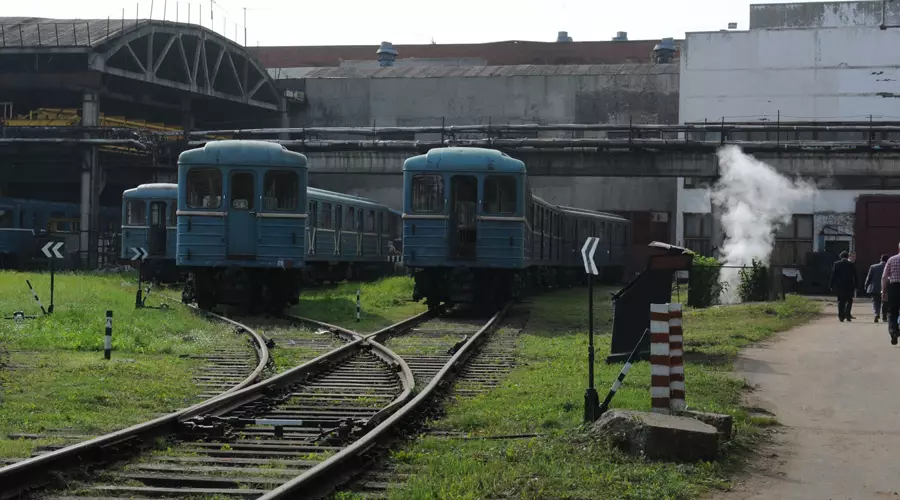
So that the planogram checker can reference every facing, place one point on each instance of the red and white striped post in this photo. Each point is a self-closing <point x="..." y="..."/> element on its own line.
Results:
<point x="659" y="358"/>
<point x="676" y="359"/>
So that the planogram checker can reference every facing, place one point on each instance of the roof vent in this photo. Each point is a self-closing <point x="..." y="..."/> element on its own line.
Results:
<point x="664" y="51"/>
<point x="621" y="36"/>
<point x="387" y="54"/>
<point x="732" y="26"/>
<point x="563" y="37"/>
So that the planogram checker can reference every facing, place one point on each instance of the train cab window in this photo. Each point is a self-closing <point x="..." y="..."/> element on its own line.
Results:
<point x="500" y="194"/>
<point x="326" y="216"/>
<point x="281" y="188"/>
<point x="7" y="217"/>
<point x="157" y="212"/>
<point x="135" y="213"/>
<point x="428" y="193"/>
<point x="370" y="221"/>
<point x="350" y="220"/>
<point x="242" y="191"/>
<point x="204" y="188"/>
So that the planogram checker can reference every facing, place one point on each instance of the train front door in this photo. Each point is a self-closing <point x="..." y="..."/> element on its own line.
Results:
<point x="156" y="232"/>
<point x="242" y="216"/>
<point x="463" y="205"/>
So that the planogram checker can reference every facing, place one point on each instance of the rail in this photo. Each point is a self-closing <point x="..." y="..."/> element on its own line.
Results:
<point x="20" y="475"/>
<point x="314" y="481"/>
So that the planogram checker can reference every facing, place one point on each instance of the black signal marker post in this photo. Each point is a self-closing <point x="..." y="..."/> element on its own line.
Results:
<point x="51" y="251"/>
<point x="107" y="341"/>
<point x="591" y="398"/>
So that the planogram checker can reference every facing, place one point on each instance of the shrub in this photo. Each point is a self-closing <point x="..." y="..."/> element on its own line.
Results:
<point x="754" y="285"/>
<point x="704" y="285"/>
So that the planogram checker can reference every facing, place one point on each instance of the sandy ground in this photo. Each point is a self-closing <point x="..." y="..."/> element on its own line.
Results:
<point x="835" y="387"/>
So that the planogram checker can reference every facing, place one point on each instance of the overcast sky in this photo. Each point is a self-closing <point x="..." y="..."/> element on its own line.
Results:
<point x="361" y="22"/>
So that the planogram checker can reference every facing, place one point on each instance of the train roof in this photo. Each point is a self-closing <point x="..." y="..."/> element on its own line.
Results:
<point x="583" y="212"/>
<point x="465" y="159"/>
<point x="241" y="153"/>
<point x="154" y="190"/>
<point x="323" y="194"/>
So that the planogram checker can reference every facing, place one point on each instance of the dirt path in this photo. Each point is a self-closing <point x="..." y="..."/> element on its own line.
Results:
<point x="836" y="389"/>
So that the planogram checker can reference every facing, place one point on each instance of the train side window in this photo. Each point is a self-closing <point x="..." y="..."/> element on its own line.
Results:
<point x="428" y="193"/>
<point x="242" y="191"/>
<point x="281" y="188"/>
<point x="500" y="194"/>
<point x="7" y="216"/>
<point x="350" y="220"/>
<point x="326" y="216"/>
<point x="370" y="221"/>
<point x="155" y="215"/>
<point x="136" y="213"/>
<point x="22" y="218"/>
<point x="173" y="208"/>
<point x="204" y="188"/>
<point x="338" y="216"/>
<point x="314" y="213"/>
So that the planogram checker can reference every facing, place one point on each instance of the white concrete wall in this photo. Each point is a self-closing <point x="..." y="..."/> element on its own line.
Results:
<point x="806" y="74"/>
<point x="821" y="14"/>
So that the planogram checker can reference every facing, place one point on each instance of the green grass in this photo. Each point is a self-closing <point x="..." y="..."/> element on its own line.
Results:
<point x="59" y="380"/>
<point x="383" y="303"/>
<point x="545" y="395"/>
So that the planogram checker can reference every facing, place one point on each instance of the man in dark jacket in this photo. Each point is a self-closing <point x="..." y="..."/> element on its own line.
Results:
<point x="873" y="288"/>
<point x="843" y="284"/>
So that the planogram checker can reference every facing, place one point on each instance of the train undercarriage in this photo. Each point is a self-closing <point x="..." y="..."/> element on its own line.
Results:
<point x="317" y="273"/>
<point x="493" y="287"/>
<point x="250" y="290"/>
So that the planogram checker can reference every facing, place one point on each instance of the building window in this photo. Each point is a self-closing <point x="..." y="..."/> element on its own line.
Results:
<point x="281" y="188"/>
<point x="428" y="193"/>
<point x="698" y="233"/>
<point x="500" y="194"/>
<point x="793" y="241"/>
<point x="135" y="213"/>
<point x="204" y="188"/>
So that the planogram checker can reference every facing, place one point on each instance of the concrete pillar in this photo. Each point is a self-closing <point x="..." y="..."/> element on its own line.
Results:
<point x="90" y="117"/>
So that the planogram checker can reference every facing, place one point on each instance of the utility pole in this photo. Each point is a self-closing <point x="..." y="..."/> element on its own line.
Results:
<point x="245" y="26"/>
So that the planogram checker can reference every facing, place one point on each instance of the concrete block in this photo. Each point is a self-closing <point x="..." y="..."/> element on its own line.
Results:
<point x="657" y="436"/>
<point x="723" y="423"/>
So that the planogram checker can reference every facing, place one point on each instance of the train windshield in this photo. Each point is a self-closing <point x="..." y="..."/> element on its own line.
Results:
<point x="281" y="190"/>
<point x="204" y="188"/>
<point x="428" y="193"/>
<point x="500" y="194"/>
<point x="135" y="213"/>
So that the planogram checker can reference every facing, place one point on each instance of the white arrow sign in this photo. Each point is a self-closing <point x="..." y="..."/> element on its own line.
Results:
<point x="139" y="253"/>
<point x="587" y="254"/>
<point x="51" y="249"/>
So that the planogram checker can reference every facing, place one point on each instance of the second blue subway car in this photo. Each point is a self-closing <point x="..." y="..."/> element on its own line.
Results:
<point x="241" y="224"/>
<point x="148" y="222"/>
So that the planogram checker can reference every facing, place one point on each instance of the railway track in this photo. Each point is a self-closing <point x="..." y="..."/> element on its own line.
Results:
<point x="298" y="433"/>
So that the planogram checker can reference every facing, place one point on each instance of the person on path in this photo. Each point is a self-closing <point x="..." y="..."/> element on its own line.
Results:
<point x="873" y="288"/>
<point x="843" y="284"/>
<point x="890" y="292"/>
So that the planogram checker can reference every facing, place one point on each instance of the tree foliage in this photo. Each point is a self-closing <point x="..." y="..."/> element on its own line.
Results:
<point x="704" y="285"/>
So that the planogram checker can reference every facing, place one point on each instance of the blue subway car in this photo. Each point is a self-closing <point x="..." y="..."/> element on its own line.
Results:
<point x="473" y="232"/>
<point x="241" y="224"/>
<point x="148" y="222"/>
<point x="25" y="225"/>
<point x="349" y="237"/>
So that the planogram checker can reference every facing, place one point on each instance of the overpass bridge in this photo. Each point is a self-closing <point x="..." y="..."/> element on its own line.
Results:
<point x="597" y="150"/>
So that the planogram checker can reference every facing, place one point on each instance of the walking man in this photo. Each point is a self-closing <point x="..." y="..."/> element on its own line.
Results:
<point x="873" y="288"/>
<point x="890" y="291"/>
<point x="843" y="284"/>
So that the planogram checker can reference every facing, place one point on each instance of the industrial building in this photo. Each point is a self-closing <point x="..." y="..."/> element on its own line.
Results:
<point x="798" y="63"/>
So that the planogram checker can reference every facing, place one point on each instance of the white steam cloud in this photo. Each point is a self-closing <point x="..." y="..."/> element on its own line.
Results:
<point x="755" y="200"/>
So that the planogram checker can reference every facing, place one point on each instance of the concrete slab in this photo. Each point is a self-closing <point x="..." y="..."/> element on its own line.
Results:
<point x="834" y="388"/>
<point x="658" y="436"/>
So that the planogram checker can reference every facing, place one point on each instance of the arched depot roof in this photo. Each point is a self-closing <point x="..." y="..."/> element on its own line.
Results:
<point x="180" y="56"/>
